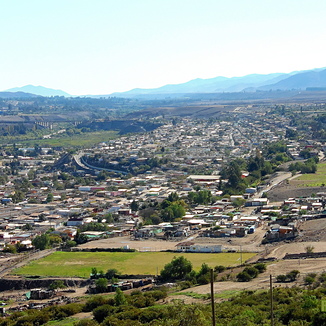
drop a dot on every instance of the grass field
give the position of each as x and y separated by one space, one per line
317 179
80 263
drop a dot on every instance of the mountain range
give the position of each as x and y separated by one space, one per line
314 79
39 90
298 80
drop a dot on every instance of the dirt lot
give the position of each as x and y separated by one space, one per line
250 243
289 190
140 245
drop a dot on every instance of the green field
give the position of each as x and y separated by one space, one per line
317 179
80 263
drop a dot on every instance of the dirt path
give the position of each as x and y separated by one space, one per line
9 264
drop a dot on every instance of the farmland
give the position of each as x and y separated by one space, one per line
68 264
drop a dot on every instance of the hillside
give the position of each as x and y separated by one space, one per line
302 81
39 90
16 94
249 83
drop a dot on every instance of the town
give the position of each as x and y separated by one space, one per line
202 185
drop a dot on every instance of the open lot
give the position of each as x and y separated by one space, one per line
303 185
80 263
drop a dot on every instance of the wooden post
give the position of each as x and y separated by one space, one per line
271 295
212 297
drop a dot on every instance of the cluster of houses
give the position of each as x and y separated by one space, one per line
194 146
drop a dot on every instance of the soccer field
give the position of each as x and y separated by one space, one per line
79 264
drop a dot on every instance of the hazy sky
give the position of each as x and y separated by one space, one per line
103 46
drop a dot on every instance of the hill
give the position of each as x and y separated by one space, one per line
13 94
304 80
39 90
315 78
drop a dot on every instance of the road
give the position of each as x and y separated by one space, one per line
8 264
275 180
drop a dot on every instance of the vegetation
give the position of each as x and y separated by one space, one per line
80 263
292 306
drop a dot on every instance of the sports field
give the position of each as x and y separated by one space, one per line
80 263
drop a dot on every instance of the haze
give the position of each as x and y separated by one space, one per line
104 46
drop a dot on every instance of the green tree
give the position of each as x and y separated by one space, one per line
134 206
57 284
10 248
177 269
101 285
49 198
41 242
119 297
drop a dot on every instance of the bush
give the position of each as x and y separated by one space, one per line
219 269
94 302
86 322
243 277
292 276
309 280
252 271
101 312
281 278
157 294
261 267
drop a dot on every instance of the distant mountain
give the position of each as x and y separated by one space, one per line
304 80
211 85
39 90
16 95
248 83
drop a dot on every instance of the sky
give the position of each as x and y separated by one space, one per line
97 47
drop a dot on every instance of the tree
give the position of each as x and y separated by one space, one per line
119 297
49 198
57 284
101 285
41 242
111 272
80 238
10 248
177 269
134 206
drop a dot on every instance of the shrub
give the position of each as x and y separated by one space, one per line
309 249
86 322
157 294
243 277
94 302
309 280
252 271
261 267
292 276
281 278
322 277
219 269
101 312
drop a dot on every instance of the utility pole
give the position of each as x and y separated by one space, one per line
271 297
212 297
241 255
